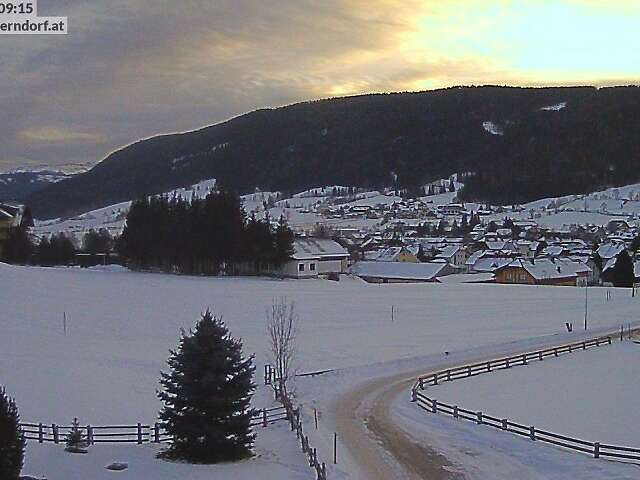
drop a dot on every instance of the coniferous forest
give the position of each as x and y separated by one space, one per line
205 236
372 141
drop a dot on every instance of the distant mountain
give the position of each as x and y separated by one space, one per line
512 144
17 185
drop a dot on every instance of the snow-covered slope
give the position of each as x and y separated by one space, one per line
112 217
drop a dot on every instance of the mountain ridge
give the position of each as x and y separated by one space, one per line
536 148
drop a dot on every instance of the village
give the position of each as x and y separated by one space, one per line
386 237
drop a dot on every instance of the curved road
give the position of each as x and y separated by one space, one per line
381 449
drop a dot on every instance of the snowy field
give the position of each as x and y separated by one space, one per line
591 395
121 325
277 457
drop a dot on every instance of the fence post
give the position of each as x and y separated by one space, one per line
335 448
89 435
139 433
609 339
449 375
421 384
455 411
540 357
264 417
555 352
324 471
156 432
596 450
414 398
40 433
56 434
434 406
584 345
507 363
489 366
504 424
435 378
469 371
479 416
532 433
524 358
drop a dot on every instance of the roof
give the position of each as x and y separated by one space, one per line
545 269
490 264
448 251
309 247
474 257
398 270
467 278
610 250
390 254
553 250
4 215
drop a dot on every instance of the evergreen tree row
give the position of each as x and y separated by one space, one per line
210 236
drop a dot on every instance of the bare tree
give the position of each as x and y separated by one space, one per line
282 328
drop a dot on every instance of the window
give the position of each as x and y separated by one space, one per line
312 267
301 267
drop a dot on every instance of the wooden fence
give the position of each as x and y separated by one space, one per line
473 369
432 405
596 449
293 415
139 433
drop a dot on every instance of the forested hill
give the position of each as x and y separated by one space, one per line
520 144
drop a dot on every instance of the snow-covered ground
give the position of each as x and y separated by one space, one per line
591 395
596 208
120 326
277 457
113 217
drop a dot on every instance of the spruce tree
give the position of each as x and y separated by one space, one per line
623 274
284 237
12 441
207 396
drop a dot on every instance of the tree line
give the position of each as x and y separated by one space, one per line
204 236
22 248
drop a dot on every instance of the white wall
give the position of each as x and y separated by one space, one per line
332 266
291 269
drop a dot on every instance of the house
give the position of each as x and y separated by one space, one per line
454 254
10 217
452 209
397 254
400 272
544 272
315 256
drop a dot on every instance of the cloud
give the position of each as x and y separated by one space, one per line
53 134
132 68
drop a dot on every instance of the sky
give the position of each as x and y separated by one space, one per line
130 69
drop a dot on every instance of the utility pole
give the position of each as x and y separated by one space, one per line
586 289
